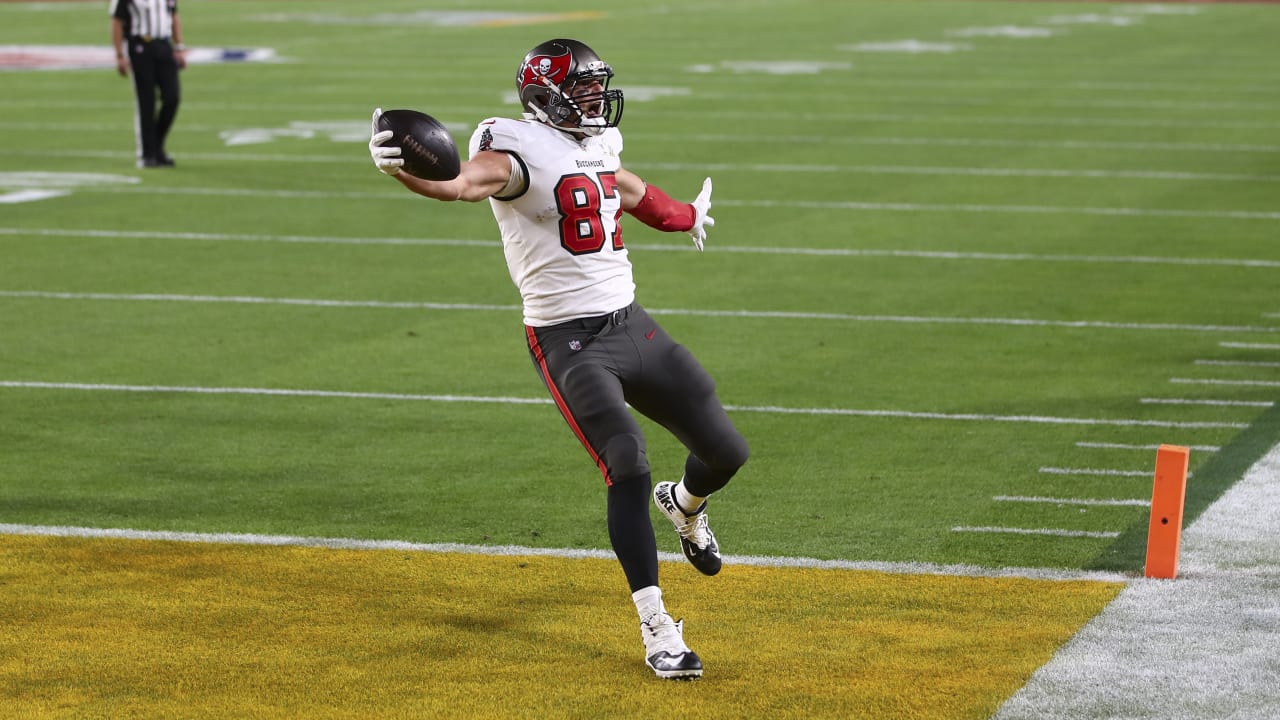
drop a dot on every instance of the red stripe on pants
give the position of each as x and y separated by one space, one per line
541 362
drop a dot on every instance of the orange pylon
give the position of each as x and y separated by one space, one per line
1168 497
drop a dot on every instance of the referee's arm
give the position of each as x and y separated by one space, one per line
118 41
179 50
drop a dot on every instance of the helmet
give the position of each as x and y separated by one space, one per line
546 81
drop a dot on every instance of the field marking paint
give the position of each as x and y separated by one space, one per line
1239 363
277 392
983 209
352 67
1003 83
1055 532
1093 19
248 300
1212 381
749 314
237 237
1217 623
969 321
1139 146
962 171
1072 501
261 193
897 568
902 414
1223 403
911 46
25 196
1095 471
765 250
720 138
1007 31
1249 346
817 119
1154 446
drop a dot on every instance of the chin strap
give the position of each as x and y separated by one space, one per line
657 210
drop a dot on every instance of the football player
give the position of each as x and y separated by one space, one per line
558 192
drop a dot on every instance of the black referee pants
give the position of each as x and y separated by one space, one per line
154 69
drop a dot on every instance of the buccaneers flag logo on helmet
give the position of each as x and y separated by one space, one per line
553 68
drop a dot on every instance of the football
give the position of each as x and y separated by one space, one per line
426 146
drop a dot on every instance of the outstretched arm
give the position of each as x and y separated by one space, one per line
653 207
484 175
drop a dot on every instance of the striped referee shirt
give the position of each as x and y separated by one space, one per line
146 18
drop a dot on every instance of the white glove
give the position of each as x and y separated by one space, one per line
701 205
387 159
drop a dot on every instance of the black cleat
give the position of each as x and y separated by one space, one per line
696 539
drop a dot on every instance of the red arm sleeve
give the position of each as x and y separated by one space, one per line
657 210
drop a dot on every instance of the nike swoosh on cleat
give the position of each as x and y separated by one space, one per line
673 661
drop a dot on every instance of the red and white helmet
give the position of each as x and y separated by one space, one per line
546 82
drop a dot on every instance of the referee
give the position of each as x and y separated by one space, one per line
148 38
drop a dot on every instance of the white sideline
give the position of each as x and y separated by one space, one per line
1199 647
897 568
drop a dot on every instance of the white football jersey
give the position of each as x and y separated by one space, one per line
560 229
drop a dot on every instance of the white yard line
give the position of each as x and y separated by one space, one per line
1221 403
1048 120
901 568
758 168
997 209
1124 446
759 314
1201 647
1054 532
851 412
1110 145
1218 381
851 205
1095 471
658 247
241 237
1071 501
943 171
1239 363
1249 346
468 116
719 138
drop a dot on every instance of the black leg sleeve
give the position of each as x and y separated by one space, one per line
631 532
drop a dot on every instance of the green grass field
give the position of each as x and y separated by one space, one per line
961 282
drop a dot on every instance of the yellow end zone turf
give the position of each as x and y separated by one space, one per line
132 628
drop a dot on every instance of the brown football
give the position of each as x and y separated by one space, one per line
426 146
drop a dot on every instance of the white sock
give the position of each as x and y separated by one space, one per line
648 602
686 500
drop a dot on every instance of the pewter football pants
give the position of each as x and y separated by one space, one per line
595 367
